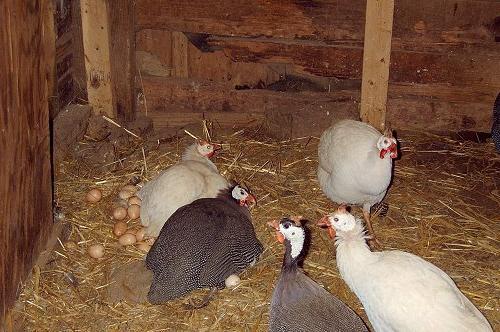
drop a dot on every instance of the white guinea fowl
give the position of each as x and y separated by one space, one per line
195 176
400 291
355 164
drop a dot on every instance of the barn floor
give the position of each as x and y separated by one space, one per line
444 206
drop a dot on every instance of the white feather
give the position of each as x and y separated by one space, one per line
401 291
350 169
193 177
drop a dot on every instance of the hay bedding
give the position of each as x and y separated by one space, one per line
444 206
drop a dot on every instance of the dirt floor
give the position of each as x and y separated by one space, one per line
444 206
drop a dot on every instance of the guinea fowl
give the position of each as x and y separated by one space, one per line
400 291
355 165
202 244
195 176
495 129
299 303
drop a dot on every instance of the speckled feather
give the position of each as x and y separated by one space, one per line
200 246
495 129
300 304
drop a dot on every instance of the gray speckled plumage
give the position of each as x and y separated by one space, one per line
495 129
200 245
300 304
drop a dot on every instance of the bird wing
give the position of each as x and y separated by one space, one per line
302 303
161 197
237 246
415 293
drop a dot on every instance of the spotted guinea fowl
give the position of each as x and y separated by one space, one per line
355 164
495 129
202 244
299 303
195 176
400 291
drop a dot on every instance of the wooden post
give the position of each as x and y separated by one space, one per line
180 55
95 29
122 52
376 61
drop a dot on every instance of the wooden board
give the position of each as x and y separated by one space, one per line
457 65
376 62
155 57
410 106
27 66
95 29
122 55
437 21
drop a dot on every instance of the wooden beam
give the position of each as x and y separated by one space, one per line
438 21
376 61
439 107
27 66
180 55
122 53
95 29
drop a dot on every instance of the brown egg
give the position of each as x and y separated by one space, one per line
134 200
134 211
131 231
96 251
143 246
130 188
94 196
119 213
127 239
120 228
140 234
124 194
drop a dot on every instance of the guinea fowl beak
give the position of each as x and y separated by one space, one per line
324 222
393 149
276 225
248 201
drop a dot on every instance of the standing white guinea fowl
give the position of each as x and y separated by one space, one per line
400 291
195 176
355 164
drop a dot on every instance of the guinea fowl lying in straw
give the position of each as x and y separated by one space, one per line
195 176
202 244
355 165
298 303
400 291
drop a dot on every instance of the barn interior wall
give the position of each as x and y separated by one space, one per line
443 61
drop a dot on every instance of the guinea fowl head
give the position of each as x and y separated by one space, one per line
342 224
387 144
207 149
242 196
292 233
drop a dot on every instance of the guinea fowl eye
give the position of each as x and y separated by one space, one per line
386 141
336 219
242 192
286 226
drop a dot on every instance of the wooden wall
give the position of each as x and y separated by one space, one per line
444 61
70 66
27 67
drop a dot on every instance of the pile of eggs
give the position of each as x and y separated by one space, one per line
130 207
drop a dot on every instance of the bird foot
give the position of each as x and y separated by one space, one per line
380 209
198 304
374 243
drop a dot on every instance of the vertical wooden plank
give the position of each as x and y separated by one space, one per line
78 69
95 30
376 61
180 55
27 66
122 51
